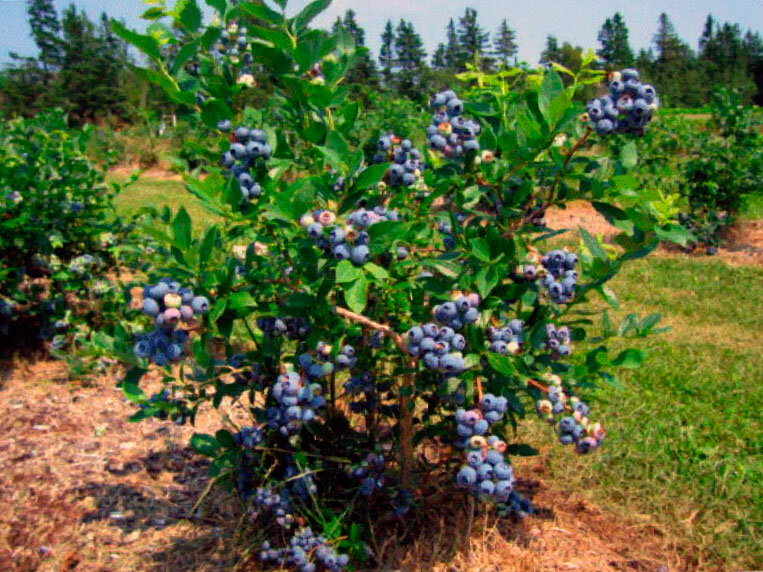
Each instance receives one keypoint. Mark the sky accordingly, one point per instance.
(576, 21)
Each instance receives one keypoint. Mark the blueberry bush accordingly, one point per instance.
(366, 301)
(58, 234)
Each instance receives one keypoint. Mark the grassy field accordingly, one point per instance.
(684, 432)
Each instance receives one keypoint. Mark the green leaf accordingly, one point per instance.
(188, 14)
(205, 250)
(346, 272)
(674, 233)
(480, 249)
(204, 444)
(629, 155)
(239, 300)
(218, 5)
(488, 140)
(146, 44)
(357, 294)
(376, 271)
(630, 359)
(486, 279)
(181, 228)
(213, 111)
(153, 13)
(592, 244)
(551, 87)
(371, 175)
(309, 12)
(502, 364)
(184, 54)
(261, 12)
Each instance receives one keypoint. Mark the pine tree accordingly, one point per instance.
(46, 28)
(473, 39)
(551, 52)
(707, 34)
(505, 44)
(453, 56)
(669, 46)
(351, 25)
(438, 58)
(615, 51)
(387, 52)
(410, 59)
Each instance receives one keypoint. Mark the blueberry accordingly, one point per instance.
(359, 254)
(200, 305)
(341, 252)
(467, 476)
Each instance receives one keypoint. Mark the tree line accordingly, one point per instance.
(84, 68)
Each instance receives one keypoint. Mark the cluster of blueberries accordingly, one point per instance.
(457, 313)
(277, 503)
(448, 237)
(406, 160)
(167, 303)
(300, 483)
(370, 472)
(346, 357)
(248, 146)
(304, 550)
(450, 132)
(363, 386)
(574, 428)
(348, 241)
(296, 400)
(486, 472)
(506, 340)
(477, 421)
(251, 376)
(248, 437)
(561, 277)
(558, 340)
(290, 328)
(627, 108)
(433, 344)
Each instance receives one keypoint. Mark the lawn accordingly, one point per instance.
(684, 432)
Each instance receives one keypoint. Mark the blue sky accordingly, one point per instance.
(576, 21)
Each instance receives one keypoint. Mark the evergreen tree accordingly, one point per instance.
(670, 48)
(473, 40)
(505, 44)
(387, 53)
(551, 53)
(90, 72)
(351, 25)
(453, 56)
(707, 33)
(753, 47)
(410, 59)
(615, 51)
(46, 28)
(675, 73)
(438, 58)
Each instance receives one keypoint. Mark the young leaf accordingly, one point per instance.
(181, 228)
(357, 294)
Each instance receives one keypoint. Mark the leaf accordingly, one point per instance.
(204, 444)
(521, 450)
(486, 279)
(630, 359)
(674, 233)
(346, 272)
(357, 294)
(551, 87)
(181, 228)
(239, 300)
(502, 364)
(261, 12)
(146, 44)
(480, 249)
(213, 111)
(205, 250)
(371, 175)
(592, 244)
(218, 5)
(309, 12)
(332, 157)
(188, 14)
(184, 55)
(153, 13)
(376, 271)
(629, 155)
(488, 140)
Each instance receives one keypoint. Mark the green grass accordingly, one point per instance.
(684, 438)
(158, 193)
(752, 206)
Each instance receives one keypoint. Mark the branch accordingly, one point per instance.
(538, 385)
(358, 319)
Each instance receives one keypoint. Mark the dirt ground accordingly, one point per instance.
(82, 489)
(743, 244)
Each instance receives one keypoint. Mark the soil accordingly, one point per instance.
(82, 489)
(743, 244)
